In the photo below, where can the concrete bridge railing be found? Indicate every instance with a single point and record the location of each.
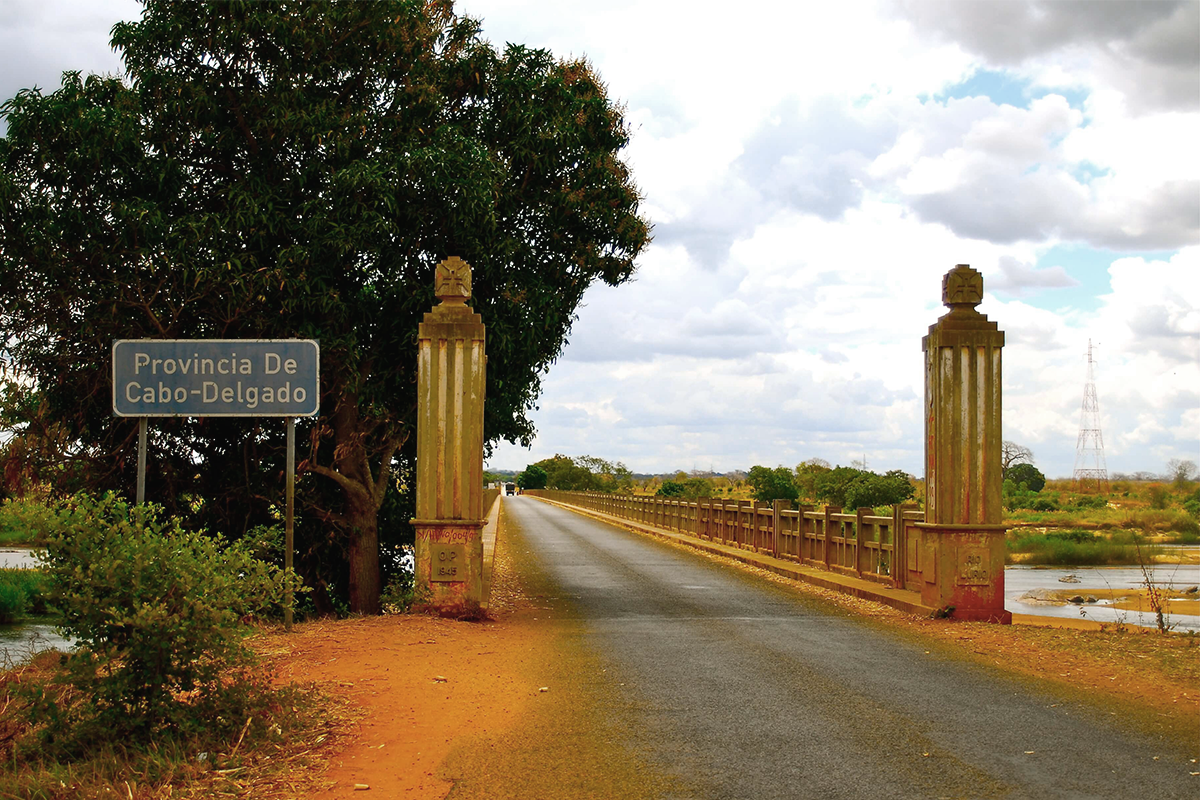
(860, 543)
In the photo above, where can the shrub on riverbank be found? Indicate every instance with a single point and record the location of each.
(1172, 524)
(27, 521)
(22, 591)
(1075, 548)
(156, 611)
(162, 690)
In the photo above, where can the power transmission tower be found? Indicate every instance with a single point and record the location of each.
(1090, 469)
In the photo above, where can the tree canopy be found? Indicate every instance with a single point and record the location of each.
(772, 484)
(1028, 475)
(1012, 454)
(534, 477)
(585, 474)
(296, 169)
(848, 487)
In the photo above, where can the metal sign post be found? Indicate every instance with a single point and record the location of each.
(141, 479)
(288, 524)
(219, 378)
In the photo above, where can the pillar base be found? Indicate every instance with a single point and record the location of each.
(449, 568)
(966, 578)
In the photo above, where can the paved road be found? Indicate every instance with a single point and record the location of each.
(745, 690)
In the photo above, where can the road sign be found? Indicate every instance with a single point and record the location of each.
(215, 377)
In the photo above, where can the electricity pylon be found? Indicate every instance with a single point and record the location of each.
(1090, 469)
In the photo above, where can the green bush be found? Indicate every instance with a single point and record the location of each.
(22, 591)
(156, 611)
(848, 487)
(13, 602)
(1019, 496)
(1191, 504)
(534, 477)
(27, 521)
(671, 489)
(772, 484)
(1026, 474)
(1075, 548)
(1085, 502)
(1158, 495)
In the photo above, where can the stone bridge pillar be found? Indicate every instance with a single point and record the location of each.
(451, 365)
(962, 536)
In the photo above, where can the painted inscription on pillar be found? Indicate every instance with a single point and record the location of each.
(974, 567)
(448, 562)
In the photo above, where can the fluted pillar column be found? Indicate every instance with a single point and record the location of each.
(451, 364)
(962, 536)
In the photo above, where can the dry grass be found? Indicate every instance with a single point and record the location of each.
(278, 753)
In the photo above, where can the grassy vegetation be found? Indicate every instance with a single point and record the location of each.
(26, 521)
(1081, 529)
(1073, 548)
(22, 591)
(262, 753)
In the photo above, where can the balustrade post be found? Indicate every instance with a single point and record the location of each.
(802, 545)
(828, 533)
(776, 521)
(861, 551)
(898, 566)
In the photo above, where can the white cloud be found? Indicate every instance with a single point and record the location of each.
(809, 190)
(1148, 50)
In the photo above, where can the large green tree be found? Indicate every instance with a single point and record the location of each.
(772, 484)
(297, 169)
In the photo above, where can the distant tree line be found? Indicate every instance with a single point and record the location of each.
(812, 481)
(580, 474)
(815, 480)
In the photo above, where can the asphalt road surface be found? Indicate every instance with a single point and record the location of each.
(743, 689)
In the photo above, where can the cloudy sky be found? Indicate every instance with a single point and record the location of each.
(811, 170)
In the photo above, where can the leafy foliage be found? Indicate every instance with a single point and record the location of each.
(1159, 496)
(689, 488)
(1026, 474)
(22, 591)
(534, 477)
(806, 476)
(585, 474)
(671, 489)
(293, 169)
(1084, 502)
(1017, 496)
(1191, 504)
(848, 487)
(155, 610)
(27, 521)
(772, 484)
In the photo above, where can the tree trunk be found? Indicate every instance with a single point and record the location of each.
(363, 494)
(363, 556)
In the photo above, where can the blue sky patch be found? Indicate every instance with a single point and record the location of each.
(1087, 265)
(1004, 88)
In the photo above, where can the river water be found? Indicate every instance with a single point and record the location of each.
(1019, 580)
(18, 643)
